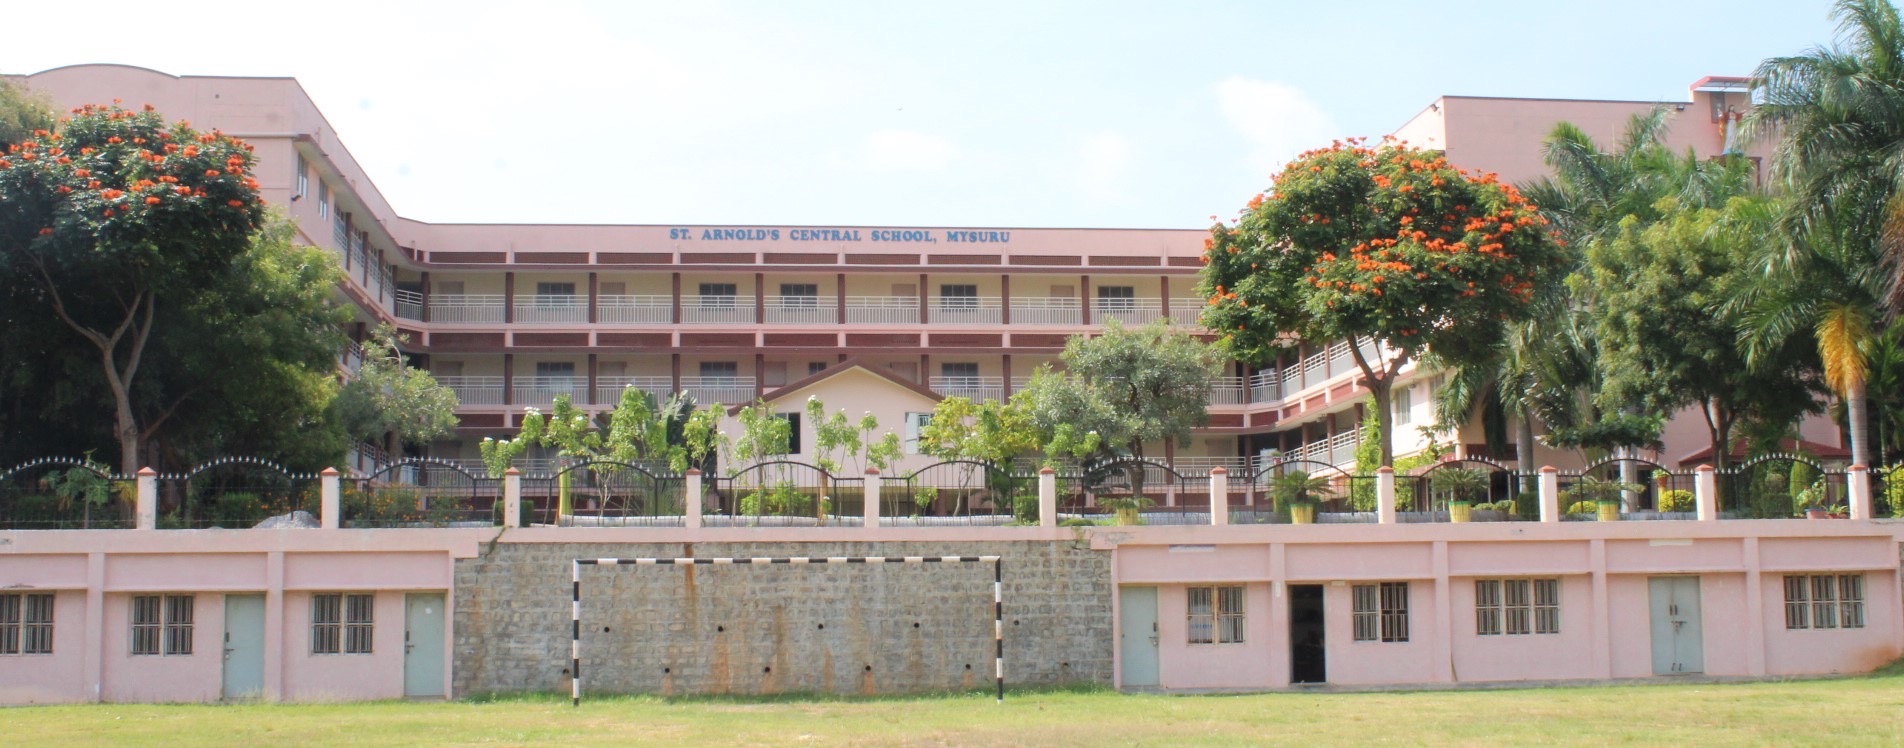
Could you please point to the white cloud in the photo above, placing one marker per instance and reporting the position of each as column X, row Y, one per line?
column 906, row 150
column 1104, row 163
column 1277, row 119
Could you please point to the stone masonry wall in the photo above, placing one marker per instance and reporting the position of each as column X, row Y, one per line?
column 860, row 629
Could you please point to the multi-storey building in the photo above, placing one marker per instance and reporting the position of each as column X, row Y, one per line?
column 513, row 315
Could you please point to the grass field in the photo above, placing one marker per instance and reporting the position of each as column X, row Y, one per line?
column 1857, row 711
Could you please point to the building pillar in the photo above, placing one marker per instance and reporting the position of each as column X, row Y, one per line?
column 1858, row 488
column 593, row 379
column 760, row 298
column 925, row 370
column 1004, row 298
column 594, row 298
column 274, row 626
column 329, row 502
column 870, row 510
column 1007, row 378
column 691, row 514
column 1163, row 297
column 677, row 301
column 924, row 295
column 1385, row 495
column 425, row 314
column 1754, row 608
column 512, row 498
column 760, row 379
column 146, row 499
column 1705, row 485
column 1047, row 497
column 1219, row 496
column 1549, row 494
column 508, row 297
column 839, row 297
column 675, row 372
column 508, row 381
column 1084, row 299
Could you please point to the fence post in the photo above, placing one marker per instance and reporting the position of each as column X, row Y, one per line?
column 1385, row 495
column 512, row 498
column 1219, row 496
column 329, row 499
column 1705, row 485
column 872, row 499
column 146, row 499
column 1549, row 488
column 1858, row 485
column 692, row 518
column 1047, row 497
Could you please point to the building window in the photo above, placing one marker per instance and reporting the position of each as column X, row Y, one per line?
column 815, row 367
column 805, row 295
column 1216, row 615
column 1516, row 607
column 162, row 624
column 324, row 200
column 719, row 295
column 563, row 369
column 720, row 370
column 1116, row 298
column 965, row 371
column 303, row 176
column 1404, row 406
column 26, row 624
column 559, row 291
column 1824, row 601
column 1380, row 611
column 342, row 623
column 915, row 425
column 793, row 431
column 958, row 296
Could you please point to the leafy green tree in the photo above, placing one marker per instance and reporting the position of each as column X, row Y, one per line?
column 390, row 400
column 115, row 217
column 21, row 112
column 1667, row 340
column 1388, row 244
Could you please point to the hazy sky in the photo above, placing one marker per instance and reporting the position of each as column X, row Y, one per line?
column 1101, row 114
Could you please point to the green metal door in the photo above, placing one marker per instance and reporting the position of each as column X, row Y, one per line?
column 423, row 644
column 1678, row 642
column 244, row 646
column 1137, row 632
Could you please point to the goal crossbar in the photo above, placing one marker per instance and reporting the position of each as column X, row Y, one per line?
column 575, row 600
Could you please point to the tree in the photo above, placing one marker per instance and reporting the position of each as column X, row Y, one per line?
column 1388, row 244
column 388, row 399
column 21, row 112
column 1667, row 337
column 115, row 217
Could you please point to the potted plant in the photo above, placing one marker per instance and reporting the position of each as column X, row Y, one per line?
column 1463, row 485
column 1127, row 508
column 1299, row 491
column 1810, row 501
column 1499, row 511
column 1604, row 493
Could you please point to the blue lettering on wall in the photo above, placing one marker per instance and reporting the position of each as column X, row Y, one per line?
column 920, row 236
column 985, row 237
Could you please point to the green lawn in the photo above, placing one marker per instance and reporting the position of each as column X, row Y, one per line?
column 1837, row 712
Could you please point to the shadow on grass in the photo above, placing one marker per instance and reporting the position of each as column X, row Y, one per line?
column 796, row 697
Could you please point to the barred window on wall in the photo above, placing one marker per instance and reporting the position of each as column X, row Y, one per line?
column 1516, row 607
column 1215, row 615
column 26, row 624
column 1380, row 612
column 1824, row 601
column 342, row 623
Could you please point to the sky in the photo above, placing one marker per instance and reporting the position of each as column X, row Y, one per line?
column 1011, row 114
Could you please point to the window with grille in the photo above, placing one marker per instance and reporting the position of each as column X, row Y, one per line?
column 26, row 624
column 959, row 371
column 1116, row 298
column 1516, row 607
column 719, row 294
column 1380, row 611
column 1215, row 615
column 552, row 294
column 815, row 367
column 720, row 370
column 958, row 296
column 1824, row 601
column 800, row 294
column 162, row 624
column 303, row 176
column 342, row 623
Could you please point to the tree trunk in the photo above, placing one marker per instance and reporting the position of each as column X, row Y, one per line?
column 1858, row 413
column 1524, row 452
column 1381, row 387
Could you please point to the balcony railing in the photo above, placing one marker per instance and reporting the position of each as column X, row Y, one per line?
column 548, row 310
column 976, row 389
column 1031, row 310
column 802, row 310
column 352, row 358
column 724, row 390
column 1265, row 386
column 715, row 310
column 410, row 305
column 635, row 310
column 882, row 310
column 1130, row 312
column 1185, row 311
column 466, row 308
column 1228, row 391
column 964, row 310
column 542, row 391
column 474, row 390
column 608, row 389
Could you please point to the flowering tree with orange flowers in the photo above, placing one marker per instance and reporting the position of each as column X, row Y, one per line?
column 112, row 216
column 1387, row 243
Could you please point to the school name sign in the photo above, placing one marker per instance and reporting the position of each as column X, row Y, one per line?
column 841, row 235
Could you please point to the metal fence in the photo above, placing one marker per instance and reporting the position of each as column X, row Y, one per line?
column 62, row 493
column 606, row 494
column 234, row 493
column 782, row 493
column 420, row 492
column 958, row 492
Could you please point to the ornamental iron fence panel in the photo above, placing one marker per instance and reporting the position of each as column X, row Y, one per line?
column 64, row 493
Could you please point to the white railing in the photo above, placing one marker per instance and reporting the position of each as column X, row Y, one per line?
column 1228, row 391
column 1265, row 386
column 542, row 391
column 1342, row 446
column 466, row 308
column 352, row 358
column 882, row 310
column 635, row 310
column 409, row 304
column 977, row 389
column 544, row 310
column 608, row 389
column 1185, row 311
column 474, row 390
column 340, row 230
column 1028, row 310
column 964, row 310
column 724, row 390
column 802, row 310
column 716, row 310
column 1131, row 312
column 386, row 285
column 1203, row 465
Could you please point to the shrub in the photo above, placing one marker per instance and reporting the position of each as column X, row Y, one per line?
column 1583, row 507
column 1677, row 501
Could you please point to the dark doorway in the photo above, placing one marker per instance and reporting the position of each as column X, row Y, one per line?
column 1308, row 661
